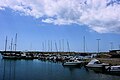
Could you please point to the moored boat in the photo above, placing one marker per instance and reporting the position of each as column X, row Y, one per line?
column 73, row 63
column 96, row 65
column 11, row 56
column 115, row 70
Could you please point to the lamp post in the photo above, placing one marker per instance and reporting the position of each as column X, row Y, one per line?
column 111, row 43
column 98, row 44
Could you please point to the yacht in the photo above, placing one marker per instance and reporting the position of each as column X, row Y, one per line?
column 96, row 65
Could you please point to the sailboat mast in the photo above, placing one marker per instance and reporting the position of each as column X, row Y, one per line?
column 68, row 46
column 51, row 45
column 43, row 46
column 63, row 44
column 15, row 41
column 59, row 45
column 56, row 46
column 48, row 45
column 11, row 44
column 84, row 43
column 6, row 44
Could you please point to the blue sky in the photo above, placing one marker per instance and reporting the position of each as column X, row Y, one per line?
column 35, row 29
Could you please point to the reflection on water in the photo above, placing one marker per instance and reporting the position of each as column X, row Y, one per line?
column 7, row 70
column 39, row 70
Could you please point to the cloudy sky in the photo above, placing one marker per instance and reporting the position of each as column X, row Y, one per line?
column 57, row 21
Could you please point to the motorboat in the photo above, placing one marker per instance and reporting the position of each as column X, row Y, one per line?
column 113, row 70
column 96, row 65
column 73, row 63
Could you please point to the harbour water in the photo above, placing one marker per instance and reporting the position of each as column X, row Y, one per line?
column 46, row 70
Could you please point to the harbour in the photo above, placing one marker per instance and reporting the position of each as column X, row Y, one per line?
column 60, row 40
column 44, row 70
column 52, row 65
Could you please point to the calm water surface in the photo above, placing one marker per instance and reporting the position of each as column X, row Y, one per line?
column 40, row 70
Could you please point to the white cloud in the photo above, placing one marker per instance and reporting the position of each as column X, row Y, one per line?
column 99, row 15
column 2, row 8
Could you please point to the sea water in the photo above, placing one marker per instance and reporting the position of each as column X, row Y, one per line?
column 46, row 70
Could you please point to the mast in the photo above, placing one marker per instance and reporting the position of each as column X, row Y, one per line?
column 63, row 44
column 56, row 46
column 6, row 44
column 51, row 45
column 68, row 46
column 11, row 44
column 43, row 46
column 84, row 44
column 59, row 45
column 4, row 69
column 48, row 45
column 15, row 41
